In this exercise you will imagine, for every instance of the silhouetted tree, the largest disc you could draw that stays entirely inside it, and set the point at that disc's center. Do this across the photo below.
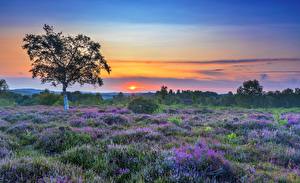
(65, 60)
(297, 91)
(251, 87)
(3, 85)
(163, 92)
(287, 91)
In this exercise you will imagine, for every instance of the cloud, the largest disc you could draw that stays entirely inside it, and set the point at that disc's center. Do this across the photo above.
(282, 72)
(264, 76)
(213, 72)
(238, 61)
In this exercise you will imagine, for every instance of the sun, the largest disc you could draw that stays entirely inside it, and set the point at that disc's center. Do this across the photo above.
(132, 87)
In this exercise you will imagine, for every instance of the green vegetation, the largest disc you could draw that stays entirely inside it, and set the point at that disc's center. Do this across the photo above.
(143, 105)
(176, 120)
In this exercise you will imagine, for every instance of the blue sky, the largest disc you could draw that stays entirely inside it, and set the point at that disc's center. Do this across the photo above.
(212, 12)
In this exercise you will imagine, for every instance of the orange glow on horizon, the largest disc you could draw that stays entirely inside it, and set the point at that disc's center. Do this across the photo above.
(132, 87)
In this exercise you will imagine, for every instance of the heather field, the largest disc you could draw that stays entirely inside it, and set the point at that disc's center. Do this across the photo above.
(175, 144)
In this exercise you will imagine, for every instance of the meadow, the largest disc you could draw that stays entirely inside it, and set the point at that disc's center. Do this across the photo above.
(176, 143)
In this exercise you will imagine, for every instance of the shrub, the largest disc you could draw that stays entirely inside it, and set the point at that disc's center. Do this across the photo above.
(142, 105)
(6, 146)
(35, 170)
(123, 162)
(5, 141)
(136, 135)
(84, 156)
(20, 128)
(55, 140)
(286, 156)
(114, 119)
(231, 137)
(173, 130)
(4, 124)
(77, 122)
(6, 102)
(15, 117)
(176, 120)
(193, 164)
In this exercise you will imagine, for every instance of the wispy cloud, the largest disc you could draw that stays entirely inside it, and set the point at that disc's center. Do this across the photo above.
(237, 61)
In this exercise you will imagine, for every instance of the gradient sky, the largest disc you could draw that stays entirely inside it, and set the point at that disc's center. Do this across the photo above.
(184, 44)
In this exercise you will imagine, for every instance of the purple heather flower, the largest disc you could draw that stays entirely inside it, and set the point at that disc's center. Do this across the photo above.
(93, 132)
(123, 171)
(292, 118)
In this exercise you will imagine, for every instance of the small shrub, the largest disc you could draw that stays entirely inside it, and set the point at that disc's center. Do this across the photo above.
(4, 152)
(193, 164)
(280, 121)
(35, 170)
(6, 102)
(136, 135)
(173, 130)
(176, 120)
(208, 129)
(114, 119)
(123, 162)
(78, 122)
(4, 124)
(20, 128)
(142, 105)
(84, 156)
(231, 136)
(55, 140)
(6, 146)
(13, 118)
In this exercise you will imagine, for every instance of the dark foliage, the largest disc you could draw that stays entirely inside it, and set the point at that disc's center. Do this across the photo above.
(65, 60)
(3, 85)
(143, 105)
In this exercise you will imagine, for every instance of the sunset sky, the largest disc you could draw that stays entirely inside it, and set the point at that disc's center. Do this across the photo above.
(200, 45)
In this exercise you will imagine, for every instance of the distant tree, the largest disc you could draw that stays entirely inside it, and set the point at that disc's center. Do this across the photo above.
(297, 91)
(251, 87)
(287, 91)
(65, 60)
(163, 92)
(3, 85)
(119, 96)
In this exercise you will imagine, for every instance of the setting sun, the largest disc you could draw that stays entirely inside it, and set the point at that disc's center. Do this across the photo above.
(132, 87)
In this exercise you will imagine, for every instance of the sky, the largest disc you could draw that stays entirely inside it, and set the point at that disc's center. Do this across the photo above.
(204, 45)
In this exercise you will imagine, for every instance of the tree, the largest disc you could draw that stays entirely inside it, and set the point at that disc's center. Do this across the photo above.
(3, 85)
(65, 60)
(287, 91)
(251, 88)
(297, 91)
(163, 92)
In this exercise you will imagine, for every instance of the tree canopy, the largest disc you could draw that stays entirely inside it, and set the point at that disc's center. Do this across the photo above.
(251, 87)
(65, 60)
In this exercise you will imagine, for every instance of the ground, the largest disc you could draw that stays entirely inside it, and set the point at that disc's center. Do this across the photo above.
(176, 144)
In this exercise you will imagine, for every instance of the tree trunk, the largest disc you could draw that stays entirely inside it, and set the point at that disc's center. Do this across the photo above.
(66, 102)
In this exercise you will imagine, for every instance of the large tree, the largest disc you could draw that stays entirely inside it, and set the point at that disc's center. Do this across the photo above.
(65, 60)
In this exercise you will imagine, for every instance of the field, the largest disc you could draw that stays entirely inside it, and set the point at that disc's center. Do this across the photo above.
(176, 144)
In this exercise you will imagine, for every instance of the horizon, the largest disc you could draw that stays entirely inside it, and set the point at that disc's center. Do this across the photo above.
(186, 45)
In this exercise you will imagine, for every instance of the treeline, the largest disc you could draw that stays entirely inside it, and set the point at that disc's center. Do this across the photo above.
(250, 94)
(46, 97)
